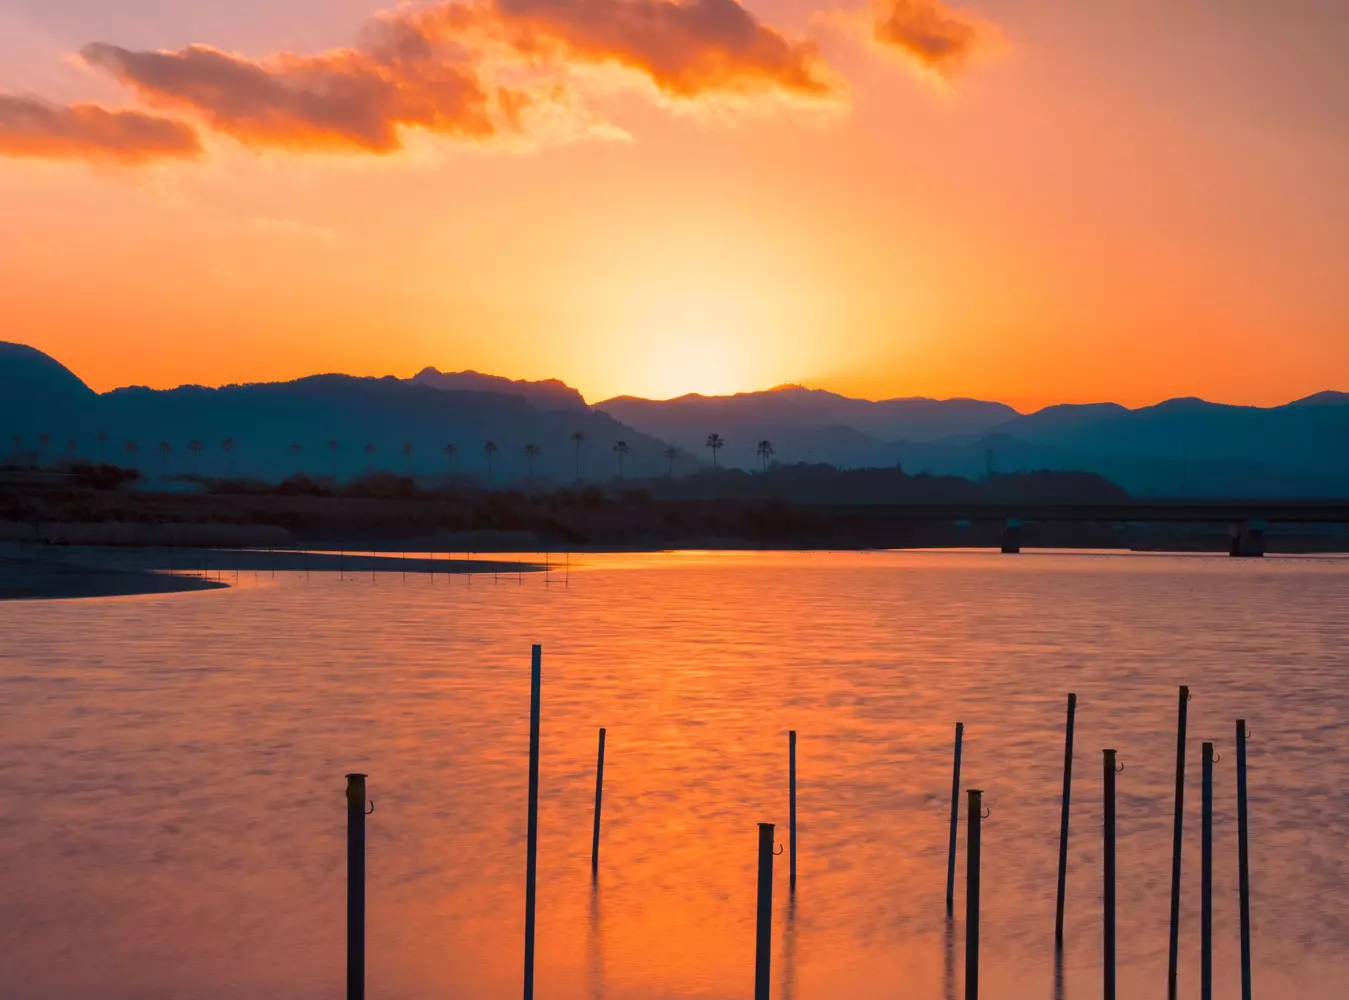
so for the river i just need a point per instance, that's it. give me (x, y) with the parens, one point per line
(172, 821)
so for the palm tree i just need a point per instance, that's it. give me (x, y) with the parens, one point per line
(531, 453)
(450, 451)
(765, 452)
(71, 445)
(578, 437)
(297, 453)
(671, 453)
(407, 453)
(715, 442)
(43, 440)
(332, 447)
(131, 448)
(195, 447)
(165, 449)
(489, 449)
(102, 438)
(620, 449)
(227, 446)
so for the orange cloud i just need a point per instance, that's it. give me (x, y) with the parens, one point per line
(686, 48)
(32, 128)
(929, 32)
(345, 98)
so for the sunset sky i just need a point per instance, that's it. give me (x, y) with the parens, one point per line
(1026, 200)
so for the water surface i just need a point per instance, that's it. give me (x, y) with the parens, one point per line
(173, 820)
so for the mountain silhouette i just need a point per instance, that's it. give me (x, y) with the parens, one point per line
(265, 420)
(550, 394)
(804, 425)
(1179, 448)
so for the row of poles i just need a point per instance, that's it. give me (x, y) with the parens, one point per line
(359, 807)
(975, 814)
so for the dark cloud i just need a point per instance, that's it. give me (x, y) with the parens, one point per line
(33, 128)
(929, 32)
(687, 49)
(344, 98)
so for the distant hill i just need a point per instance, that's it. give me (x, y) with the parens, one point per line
(38, 396)
(550, 394)
(804, 425)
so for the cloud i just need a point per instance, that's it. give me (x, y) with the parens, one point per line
(33, 128)
(539, 71)
(930, 33)
(342, 99)
(687, 48)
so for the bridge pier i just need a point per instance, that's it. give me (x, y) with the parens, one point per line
(1248, 538)
(1011, 536)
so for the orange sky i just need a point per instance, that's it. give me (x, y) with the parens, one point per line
(1027, 200)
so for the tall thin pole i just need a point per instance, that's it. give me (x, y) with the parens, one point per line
(599, 803)
(791, 795)
(763, 945)
(356, 887)
(955, 823)
(1243, 862)
(1108, 878)
(1063, 818)
(974, 817)
(1206, 881)
(532, 838)
(1176, 844)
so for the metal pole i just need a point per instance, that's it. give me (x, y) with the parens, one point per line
(974, 817)
(356, 886)
(1063, 819)
(1176, 844)
(1206, 881)
(763, 946)
(1108, 878)
(532, 837)
(955, 823)
(1243, 862)
(791, 794)
(599, 801)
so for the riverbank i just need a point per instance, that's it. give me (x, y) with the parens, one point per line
(31, 579)
(56, 572)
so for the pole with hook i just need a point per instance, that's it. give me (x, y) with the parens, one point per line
(791, 795)
(1243, 861)
(1063, 819)
(1206, 879)
(356, 813)
(955, 823)
(532, 833)
(1173, 958)
(1108, 876)
(976, 814)
(763, 944)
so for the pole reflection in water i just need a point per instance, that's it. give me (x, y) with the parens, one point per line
(595, 946)
(948, 979)
(789, 950)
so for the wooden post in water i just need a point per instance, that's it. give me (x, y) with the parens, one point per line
(955, 824)
(1177, 841)
(532, 836)
(1206, 880)
(599, 802)
(975, 811)
(763, 945)
(1243, 862)
(356, 886)
(1108, 878)
(1063, 819)
(791, 798)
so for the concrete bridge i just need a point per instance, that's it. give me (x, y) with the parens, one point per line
(1247, 520)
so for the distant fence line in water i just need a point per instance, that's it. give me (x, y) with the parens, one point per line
(359, 806)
